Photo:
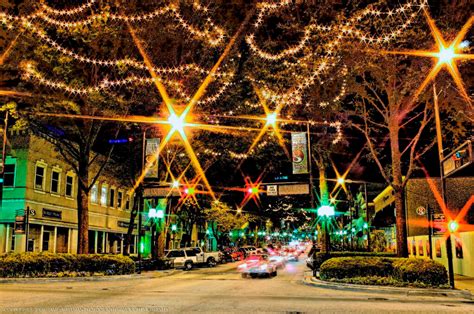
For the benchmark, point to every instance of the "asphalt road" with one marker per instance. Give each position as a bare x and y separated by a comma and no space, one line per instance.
217,290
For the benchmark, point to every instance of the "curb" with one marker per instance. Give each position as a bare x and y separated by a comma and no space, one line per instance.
143,275
459,294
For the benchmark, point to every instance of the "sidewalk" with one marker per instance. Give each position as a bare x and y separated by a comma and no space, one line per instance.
464,283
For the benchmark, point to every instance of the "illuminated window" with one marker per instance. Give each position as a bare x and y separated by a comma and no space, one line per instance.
94,194
103,195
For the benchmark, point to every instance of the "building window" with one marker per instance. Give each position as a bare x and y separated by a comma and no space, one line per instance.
55,175
103,195
94,192
112,198
39,177
127,203
46,241
70,185
9,176
12,245
119,199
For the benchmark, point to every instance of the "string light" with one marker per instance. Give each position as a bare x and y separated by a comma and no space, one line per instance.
214,35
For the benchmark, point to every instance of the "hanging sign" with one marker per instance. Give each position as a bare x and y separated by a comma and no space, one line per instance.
151,158
299,152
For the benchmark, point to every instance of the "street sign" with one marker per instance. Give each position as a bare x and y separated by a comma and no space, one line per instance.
293,189
439,224
152,146
272,190
460,158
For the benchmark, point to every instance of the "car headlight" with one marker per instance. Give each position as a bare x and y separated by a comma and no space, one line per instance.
263,267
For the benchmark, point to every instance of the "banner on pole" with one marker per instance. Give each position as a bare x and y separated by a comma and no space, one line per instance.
151,158
299,151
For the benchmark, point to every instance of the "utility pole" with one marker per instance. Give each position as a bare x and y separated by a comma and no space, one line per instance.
439,137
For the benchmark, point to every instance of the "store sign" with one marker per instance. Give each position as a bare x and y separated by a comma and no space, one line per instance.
19,224
293,189
460,158
125,224
421,211
151,158
52,213
299,152
272,190
160,192
439,224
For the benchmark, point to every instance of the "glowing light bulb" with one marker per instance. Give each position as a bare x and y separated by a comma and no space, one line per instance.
175,184
445,55
271,118
176,122
340,180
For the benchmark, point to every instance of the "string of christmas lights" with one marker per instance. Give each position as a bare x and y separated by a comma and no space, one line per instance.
42,35
31,73
347,29
214,34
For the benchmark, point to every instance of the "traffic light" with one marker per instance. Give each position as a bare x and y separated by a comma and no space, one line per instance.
453,226
190,191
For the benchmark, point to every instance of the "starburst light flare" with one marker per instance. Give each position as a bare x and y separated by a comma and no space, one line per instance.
444,55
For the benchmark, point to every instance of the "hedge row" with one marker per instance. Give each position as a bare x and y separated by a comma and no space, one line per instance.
405,270
46,264
319,258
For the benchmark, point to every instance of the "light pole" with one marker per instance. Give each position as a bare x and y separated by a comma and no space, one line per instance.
325,212
439,139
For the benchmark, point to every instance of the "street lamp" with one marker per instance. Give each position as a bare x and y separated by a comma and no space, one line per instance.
325,212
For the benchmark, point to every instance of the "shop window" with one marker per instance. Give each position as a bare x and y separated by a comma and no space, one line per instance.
39,177
103,195
112,198
119,199
70,186
12,245
94,194
31,245
55,175
420,248
46,236
458,246
9,176
438,248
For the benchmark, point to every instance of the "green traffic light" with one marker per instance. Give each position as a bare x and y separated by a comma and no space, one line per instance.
453,226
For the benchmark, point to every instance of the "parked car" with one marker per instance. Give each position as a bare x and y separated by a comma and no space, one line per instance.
237,254
257,265
251,250
209,258
183,258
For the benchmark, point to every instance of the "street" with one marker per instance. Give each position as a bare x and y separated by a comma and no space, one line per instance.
220,289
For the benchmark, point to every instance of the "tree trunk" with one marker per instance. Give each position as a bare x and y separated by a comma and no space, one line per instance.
397,183
129,236
323,186
83,210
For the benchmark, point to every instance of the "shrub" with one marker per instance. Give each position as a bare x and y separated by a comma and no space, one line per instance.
319,258
49,264
385,271
420,270
347,267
